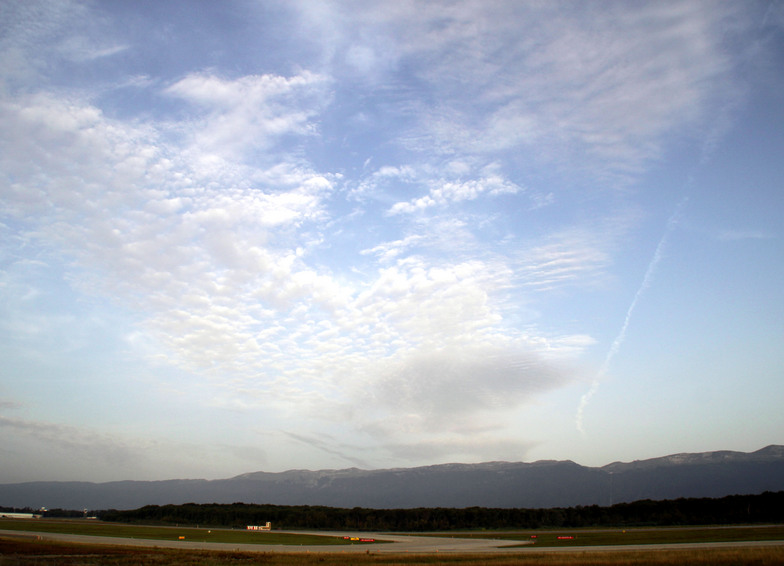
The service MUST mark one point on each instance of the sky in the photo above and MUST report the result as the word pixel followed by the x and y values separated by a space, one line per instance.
pixel 267 235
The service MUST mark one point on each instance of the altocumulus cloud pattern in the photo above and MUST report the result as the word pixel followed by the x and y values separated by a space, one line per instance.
pixel 240 236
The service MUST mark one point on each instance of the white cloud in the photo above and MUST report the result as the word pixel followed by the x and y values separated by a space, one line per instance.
pixel 447 192
pixel 583 98
pixel 209 217
pixel 86 453
pixel 114 202
pixel 489 446
pixel 69 448
pixel 81 49
pixel 332 446
pixel 250 112
pixel 389 251
pixel 207 247
pixel 567 259
pixel 217 273
pixel 444 386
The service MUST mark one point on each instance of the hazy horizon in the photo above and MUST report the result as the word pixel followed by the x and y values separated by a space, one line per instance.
pixel 261 235
pixel 359 469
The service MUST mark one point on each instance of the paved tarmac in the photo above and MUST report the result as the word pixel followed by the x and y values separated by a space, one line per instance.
pixel 399 544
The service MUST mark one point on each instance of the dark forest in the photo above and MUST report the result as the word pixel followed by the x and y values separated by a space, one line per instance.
pixel 767 507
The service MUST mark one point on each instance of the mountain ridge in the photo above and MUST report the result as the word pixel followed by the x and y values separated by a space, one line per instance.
pixel 539 484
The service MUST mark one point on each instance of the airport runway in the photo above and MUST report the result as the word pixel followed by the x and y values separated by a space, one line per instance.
pixel 399 544
pixel 396 544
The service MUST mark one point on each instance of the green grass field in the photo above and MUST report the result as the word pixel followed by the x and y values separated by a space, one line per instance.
pixel 25 550
pixel 612 537
pixel 15 551
pixel 580 537
pixel 97 528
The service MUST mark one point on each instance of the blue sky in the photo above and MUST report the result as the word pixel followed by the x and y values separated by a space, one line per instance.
pixel 240 236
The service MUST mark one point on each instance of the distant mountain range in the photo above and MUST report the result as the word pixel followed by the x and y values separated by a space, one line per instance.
pixel 541 484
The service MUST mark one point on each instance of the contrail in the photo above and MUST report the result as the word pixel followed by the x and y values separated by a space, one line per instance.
pixel 616 345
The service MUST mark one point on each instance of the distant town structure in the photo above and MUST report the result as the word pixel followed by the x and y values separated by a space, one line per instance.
pixel 266 527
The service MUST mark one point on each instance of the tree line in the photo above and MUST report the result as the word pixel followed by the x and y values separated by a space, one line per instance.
pixel 767 507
